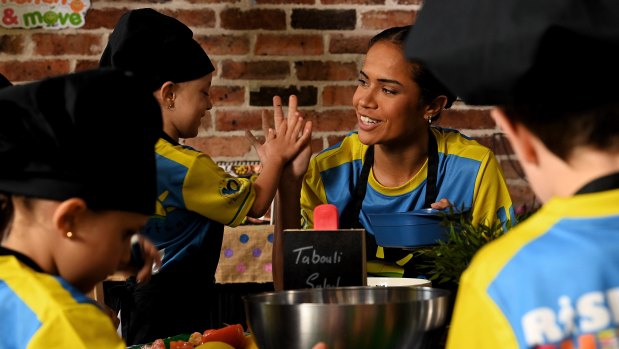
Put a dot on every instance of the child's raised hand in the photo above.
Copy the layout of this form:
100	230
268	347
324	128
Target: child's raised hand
289	137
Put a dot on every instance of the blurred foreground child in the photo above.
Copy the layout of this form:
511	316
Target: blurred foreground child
70	200
550	68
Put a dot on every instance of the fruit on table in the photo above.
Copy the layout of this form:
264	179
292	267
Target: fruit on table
231	334
228	337
214	345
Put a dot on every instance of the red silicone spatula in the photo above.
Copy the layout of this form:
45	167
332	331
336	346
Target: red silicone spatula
326	217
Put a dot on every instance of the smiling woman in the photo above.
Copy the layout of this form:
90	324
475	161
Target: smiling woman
397	161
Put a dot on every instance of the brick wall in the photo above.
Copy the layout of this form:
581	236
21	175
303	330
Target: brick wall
312	48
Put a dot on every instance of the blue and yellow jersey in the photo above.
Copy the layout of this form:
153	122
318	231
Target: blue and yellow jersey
196	198
552	282
468	176
38	310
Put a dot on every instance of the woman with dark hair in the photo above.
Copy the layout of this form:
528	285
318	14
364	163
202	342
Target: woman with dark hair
396	161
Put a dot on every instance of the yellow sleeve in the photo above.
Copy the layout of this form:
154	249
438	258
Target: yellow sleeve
491	200
210	191
82	326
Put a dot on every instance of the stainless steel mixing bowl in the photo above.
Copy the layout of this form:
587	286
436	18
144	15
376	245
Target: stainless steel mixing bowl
348	317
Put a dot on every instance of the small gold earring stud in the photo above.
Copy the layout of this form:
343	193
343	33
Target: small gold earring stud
69	234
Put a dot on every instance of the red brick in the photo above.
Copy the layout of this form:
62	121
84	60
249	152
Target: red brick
206	123
11	44
221	146
263	97
53	44
385	19
467	119
333	120
409	2
317	145
18	71
319	70
236	120
333	140
103	18
497	142
83	64
521	195
338	95
195	18
332	19
355	2
227	95
340	43
234	18
224	44
512	170
213	1
288	45
285	2
262	70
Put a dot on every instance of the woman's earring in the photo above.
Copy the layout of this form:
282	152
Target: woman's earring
429	118
171	106
69	235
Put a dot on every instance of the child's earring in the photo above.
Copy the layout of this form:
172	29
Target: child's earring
69	235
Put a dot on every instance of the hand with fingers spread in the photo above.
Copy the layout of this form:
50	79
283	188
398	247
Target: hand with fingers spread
283	142
295	168
286	138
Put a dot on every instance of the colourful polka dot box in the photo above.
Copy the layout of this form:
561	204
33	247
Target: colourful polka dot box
246	255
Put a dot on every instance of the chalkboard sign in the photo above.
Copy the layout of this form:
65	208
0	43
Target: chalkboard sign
324	258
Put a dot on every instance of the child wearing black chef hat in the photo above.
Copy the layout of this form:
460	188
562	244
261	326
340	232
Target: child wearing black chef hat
550	70
70	200
196	198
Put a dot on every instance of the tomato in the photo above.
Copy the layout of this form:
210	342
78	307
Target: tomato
231	334
214	345
180	345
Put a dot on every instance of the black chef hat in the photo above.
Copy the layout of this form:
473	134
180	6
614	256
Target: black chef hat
4	82
161	47
521	51
89	135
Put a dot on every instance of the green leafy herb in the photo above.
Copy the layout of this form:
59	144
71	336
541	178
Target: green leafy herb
445	261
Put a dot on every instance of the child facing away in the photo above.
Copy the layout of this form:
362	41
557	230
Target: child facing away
70	201
196	198
550	71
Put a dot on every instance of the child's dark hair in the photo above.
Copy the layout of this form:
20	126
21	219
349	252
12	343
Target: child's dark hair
430	86
562	131
6	214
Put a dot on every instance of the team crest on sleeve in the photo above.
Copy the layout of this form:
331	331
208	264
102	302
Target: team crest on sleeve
231	187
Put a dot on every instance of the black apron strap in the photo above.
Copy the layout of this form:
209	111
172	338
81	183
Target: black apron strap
350	215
